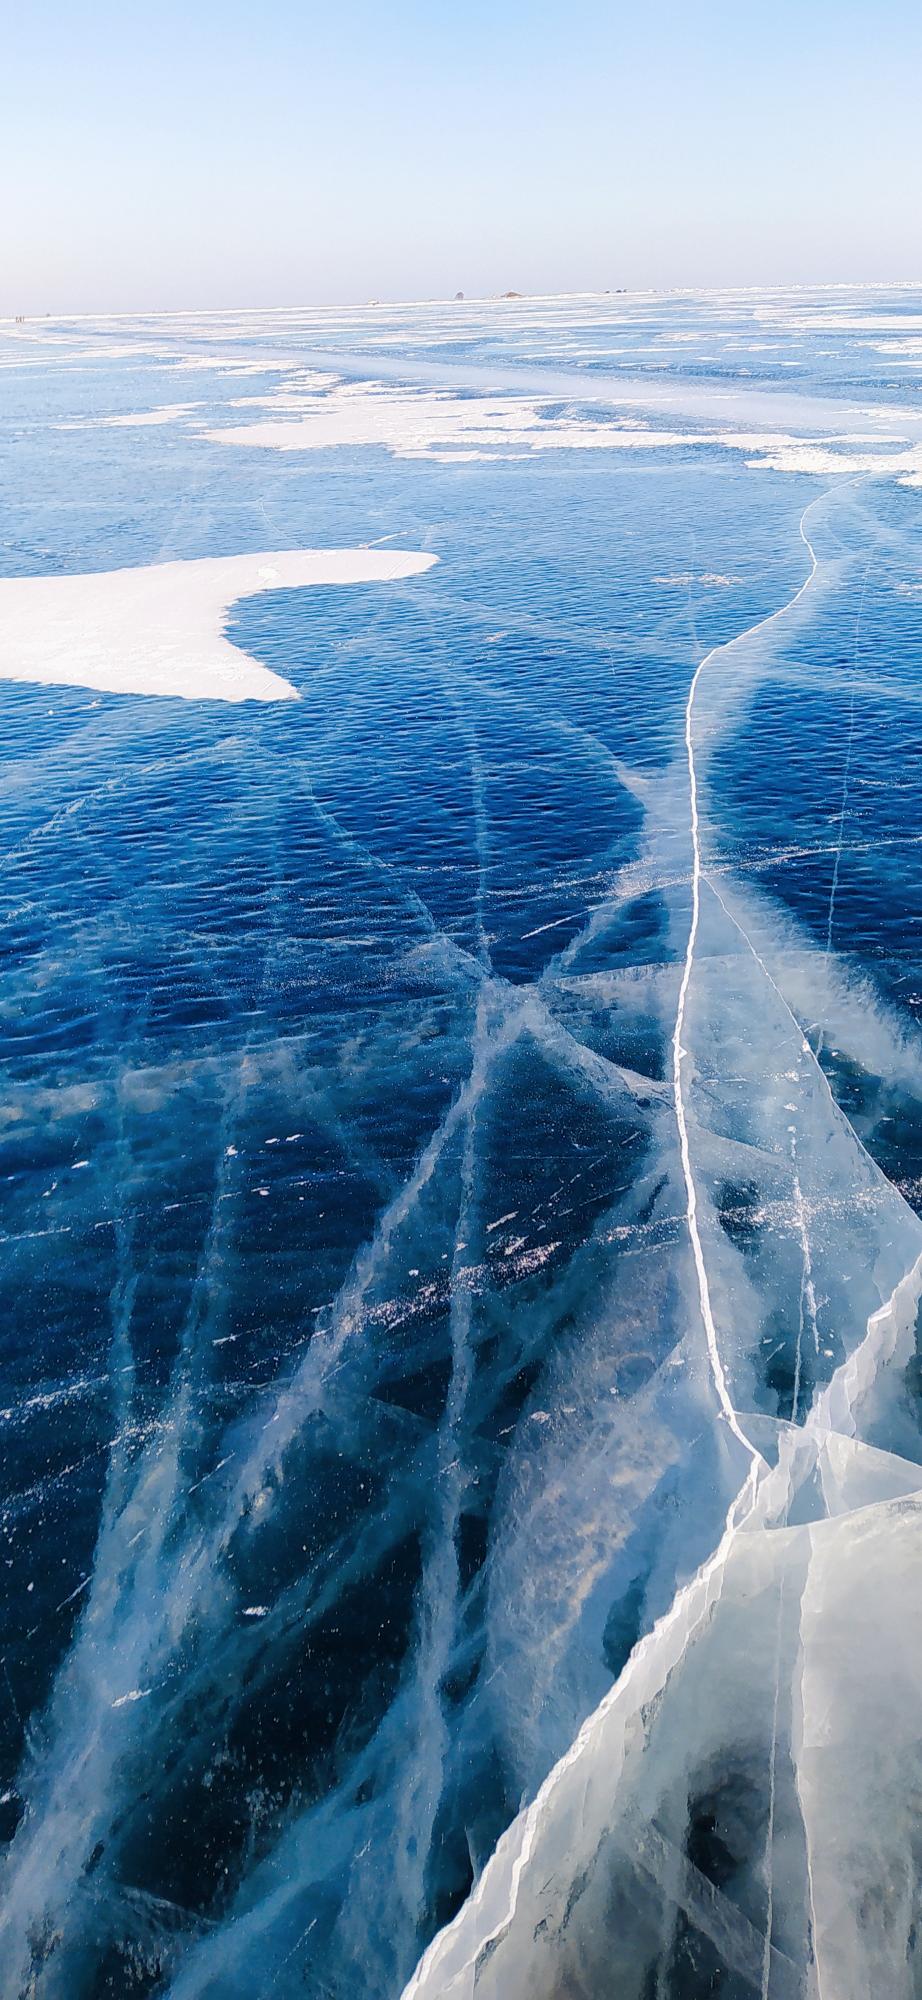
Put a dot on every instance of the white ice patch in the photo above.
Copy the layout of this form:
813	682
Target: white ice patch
434	423
442	425
159	630
684	580
167	413
134	1694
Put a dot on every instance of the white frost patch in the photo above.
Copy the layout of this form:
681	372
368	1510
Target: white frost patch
712	578
229	364
443	425
159	630
167	413
432	423
789	454
290	395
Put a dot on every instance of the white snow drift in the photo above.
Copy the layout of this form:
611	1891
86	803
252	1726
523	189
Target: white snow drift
160	630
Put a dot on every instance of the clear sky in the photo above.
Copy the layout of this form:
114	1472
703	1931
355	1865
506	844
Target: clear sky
220	154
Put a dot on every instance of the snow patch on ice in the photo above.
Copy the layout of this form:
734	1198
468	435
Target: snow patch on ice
166	413
430	423
443	425
159	630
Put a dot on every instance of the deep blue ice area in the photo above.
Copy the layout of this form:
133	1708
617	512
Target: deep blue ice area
356	1417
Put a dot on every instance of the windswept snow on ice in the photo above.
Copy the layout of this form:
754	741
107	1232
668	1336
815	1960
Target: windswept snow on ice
415	422
441	423
159	630
164	413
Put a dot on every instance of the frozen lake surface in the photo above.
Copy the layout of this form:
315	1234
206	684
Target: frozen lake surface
461	1177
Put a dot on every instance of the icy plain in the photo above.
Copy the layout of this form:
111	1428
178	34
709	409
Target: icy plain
462	1152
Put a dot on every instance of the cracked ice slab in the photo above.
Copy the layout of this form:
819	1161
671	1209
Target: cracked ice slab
160	630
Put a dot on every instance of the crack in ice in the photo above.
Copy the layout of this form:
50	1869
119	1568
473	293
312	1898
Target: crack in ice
679	1053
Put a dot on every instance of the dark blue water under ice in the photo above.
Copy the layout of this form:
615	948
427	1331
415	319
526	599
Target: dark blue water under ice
338	1185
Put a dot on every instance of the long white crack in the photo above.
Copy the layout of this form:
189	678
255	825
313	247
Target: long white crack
679	1053
448	1968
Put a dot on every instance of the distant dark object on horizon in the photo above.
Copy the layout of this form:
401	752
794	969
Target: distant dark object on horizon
458	295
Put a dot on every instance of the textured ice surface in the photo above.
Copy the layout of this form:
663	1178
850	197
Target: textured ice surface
461	1154
702	1826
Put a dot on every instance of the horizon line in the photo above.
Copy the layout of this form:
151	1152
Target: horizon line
471	298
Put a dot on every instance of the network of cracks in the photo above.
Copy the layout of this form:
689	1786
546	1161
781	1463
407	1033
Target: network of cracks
477	1513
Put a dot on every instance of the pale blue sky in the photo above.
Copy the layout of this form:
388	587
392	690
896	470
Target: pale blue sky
211	154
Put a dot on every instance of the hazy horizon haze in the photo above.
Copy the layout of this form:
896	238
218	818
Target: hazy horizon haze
207	161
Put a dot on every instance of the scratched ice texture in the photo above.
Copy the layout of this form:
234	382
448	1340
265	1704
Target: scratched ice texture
461	1167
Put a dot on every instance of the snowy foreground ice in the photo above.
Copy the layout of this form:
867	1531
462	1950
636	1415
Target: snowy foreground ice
461	1154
